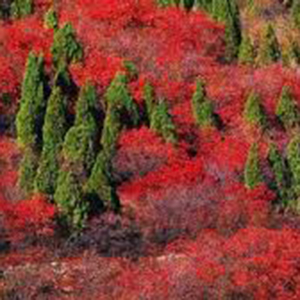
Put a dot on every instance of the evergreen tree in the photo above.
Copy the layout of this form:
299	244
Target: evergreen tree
27	170
286	109
111	130
246	51
279	169
54	130
118	96
161	122
203	5
253	112
291	54
149	97
65	47
202	107
32	103
131	69
295	13
101	182
252	172
79	148
293	158
219	10
269	50
86	106
233	34
70	200
21	8
51	19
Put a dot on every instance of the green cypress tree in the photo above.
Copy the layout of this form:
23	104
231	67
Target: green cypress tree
161	122
202	107
279	169
32	103
233	34
253	111
79	148
65	46
54	131
219	10
21	8
291	54
252	172
246	51
149	97
86	106
70	200
27	171
269	50
101	183
117	95
111	130
293	158
51	19
295	13
286	109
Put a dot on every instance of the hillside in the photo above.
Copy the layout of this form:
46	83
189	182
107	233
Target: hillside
149	149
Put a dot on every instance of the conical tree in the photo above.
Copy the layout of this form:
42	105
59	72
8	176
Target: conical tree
253	111
111	130
219	10
280	172
286	109
295	13
161	122
246	51
51	19
202	107
100	183
293	158
118	96
70	200
149	97
27	171
233	34
86	106
252	172
65	46
291	54
269	50
21	8
54	130
32	103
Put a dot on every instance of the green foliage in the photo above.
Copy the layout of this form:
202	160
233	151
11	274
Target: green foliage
280	172
111	130
32	103
118	96
291	54
27	171
253	111
65	47
79	148
131	69
21	8
295	13
269	50
203	5
233	34
252	172
51	19
286	109
293	158
246	51
202	107
86	105
100	182
70	200
54	130
161	122
149	97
